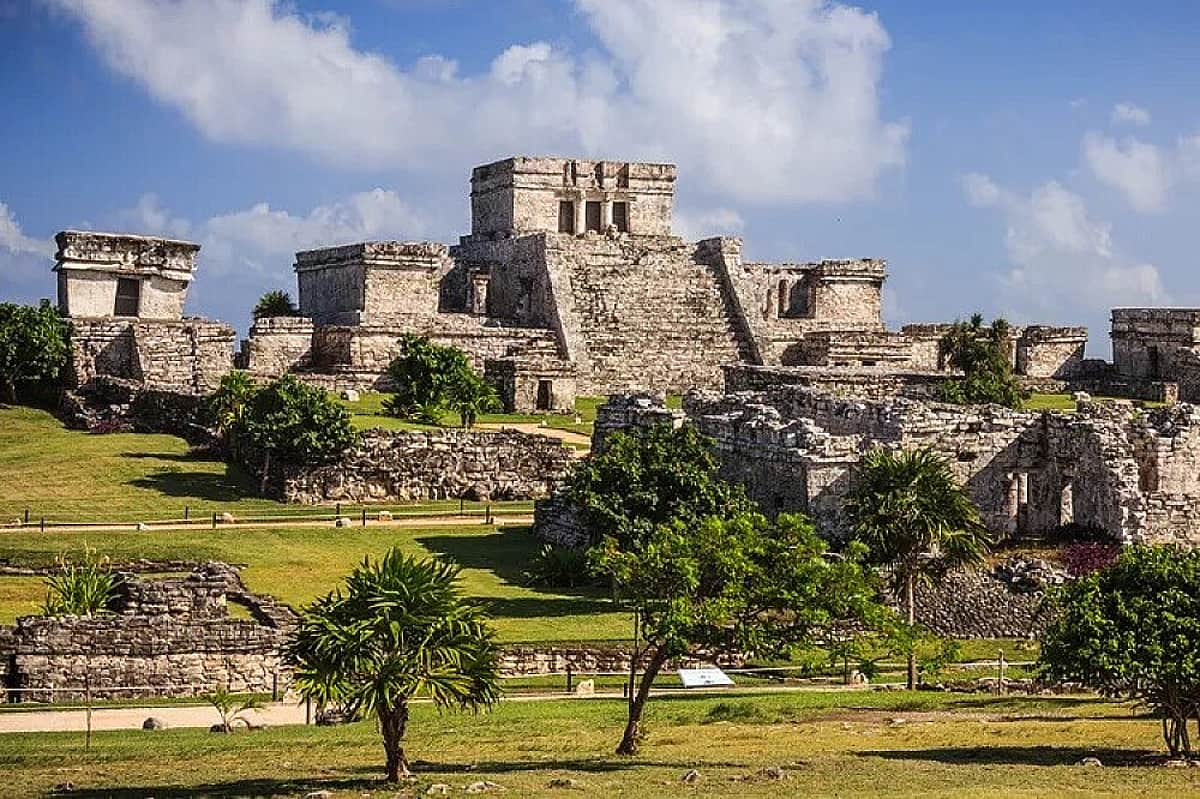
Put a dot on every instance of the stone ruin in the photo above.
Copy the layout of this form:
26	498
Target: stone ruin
132	349
167	637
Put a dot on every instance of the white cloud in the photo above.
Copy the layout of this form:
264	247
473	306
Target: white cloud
702	224
1137	169
1061	259
1130	113
766	99
25	261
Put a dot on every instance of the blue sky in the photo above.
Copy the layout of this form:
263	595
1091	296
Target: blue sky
1037	160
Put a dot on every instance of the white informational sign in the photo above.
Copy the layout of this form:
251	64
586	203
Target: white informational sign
703	678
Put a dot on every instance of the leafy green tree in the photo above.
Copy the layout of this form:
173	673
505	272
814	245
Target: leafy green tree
736	585
915	518
982	355
1132	629
296	423
33	345
647	478
425	377
227	405
400	631
79	589
275	303
471	396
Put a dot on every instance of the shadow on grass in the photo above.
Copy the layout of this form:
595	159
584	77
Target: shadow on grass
197	485
176	457
537	607
506	552
1015	755
425	773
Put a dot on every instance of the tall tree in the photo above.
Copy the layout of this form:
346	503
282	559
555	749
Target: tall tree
400	631
915	518
33	345
737	585
1132	629
651	477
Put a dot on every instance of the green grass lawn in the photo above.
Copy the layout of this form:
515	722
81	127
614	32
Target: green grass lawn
1064	402
298	564
826	744
368	412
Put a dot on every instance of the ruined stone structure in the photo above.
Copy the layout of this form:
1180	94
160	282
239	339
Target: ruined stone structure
123	296
173	635
1159	344
409	465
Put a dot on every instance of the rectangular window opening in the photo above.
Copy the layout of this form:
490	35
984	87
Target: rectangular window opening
620	213
592	211
566	217
129	295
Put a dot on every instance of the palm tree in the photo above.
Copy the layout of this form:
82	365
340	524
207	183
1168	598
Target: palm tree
470	395
916	519
400	630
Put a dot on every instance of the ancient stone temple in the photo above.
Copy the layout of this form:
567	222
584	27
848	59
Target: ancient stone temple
124	297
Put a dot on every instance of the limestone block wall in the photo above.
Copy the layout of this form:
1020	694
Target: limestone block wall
371	282
171	636
188	356
89	265
392	466
1043	351
278	345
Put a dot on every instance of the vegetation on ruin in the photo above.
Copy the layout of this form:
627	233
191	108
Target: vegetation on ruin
857	743
400	632
430	379
275	303
915	519
79	587
1132	629
660	476
733	585
982	354
33	347
292	422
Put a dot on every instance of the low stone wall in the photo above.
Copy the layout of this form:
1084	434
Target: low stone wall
111	405
161	638
402	466
979	604
277	345
520	661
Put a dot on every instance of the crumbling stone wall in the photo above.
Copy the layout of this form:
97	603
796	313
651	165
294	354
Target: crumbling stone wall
278	345
400	466
172	635
188	356
90	264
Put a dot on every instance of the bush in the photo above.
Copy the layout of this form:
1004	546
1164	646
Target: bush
430	379
982	355
559	567
33	346
1081	559
79	589
275	303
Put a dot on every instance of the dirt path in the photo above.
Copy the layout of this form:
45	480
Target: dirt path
566	436
445	520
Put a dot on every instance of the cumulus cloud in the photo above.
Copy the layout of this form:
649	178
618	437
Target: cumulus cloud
1060	257
701	224
1128	113
25	261
248	251
765	99
1137	169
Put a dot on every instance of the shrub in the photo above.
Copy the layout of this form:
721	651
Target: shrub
559	567
982	355
1081	559
33	346
79	589
275	303
423	376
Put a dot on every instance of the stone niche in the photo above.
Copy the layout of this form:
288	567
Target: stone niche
121	275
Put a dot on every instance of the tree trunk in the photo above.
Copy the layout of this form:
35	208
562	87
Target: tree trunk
392	722
266	475
10	392
910	607
631	739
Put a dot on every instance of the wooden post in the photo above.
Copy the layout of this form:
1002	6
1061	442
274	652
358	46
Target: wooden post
87	700
1000	669
275	686
43	524
337	509
186	510
364	517
214	520
27	515
570	680
460	506
307	710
